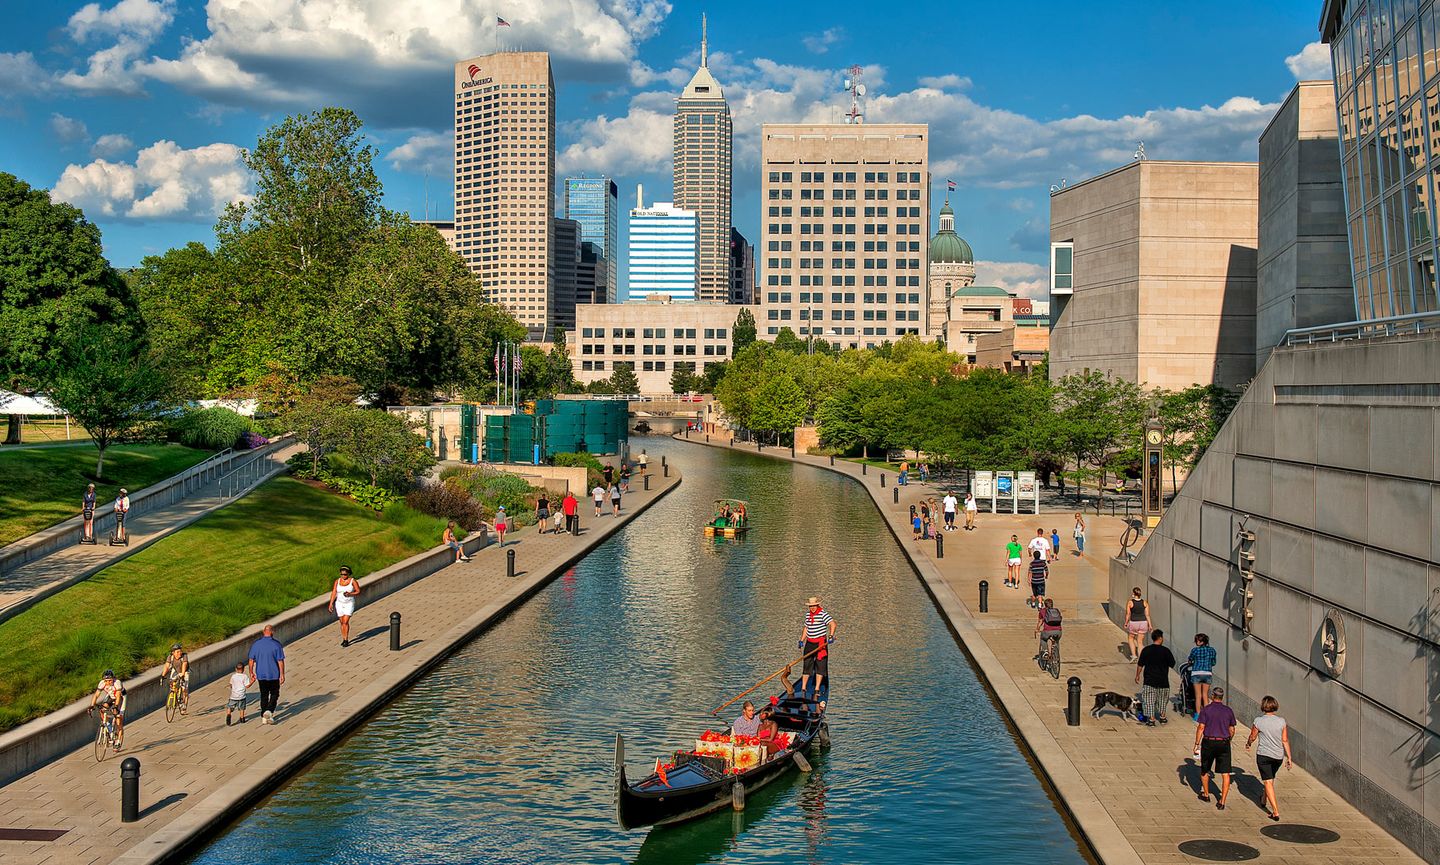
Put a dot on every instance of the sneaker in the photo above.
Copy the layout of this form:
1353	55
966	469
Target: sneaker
344	644
265	717
1164	719
227	720
242	719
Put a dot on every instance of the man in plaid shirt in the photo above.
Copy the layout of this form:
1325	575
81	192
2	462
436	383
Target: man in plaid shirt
1155	662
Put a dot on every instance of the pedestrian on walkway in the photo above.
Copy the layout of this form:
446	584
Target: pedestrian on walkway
1039	570
904	472
1213	732
927	528
1040	544
238	683
1013	561
609	474
1202	668
542	512
570	507
615	499
122	510
452	541
267	666
342	602
598	494
625	477
643	460
914	524
950	503
1137	622
1155	662
1054	545
1079	533
87	511
971	508
1274	737
924	473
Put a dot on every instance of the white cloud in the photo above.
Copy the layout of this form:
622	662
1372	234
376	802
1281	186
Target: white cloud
1312	63
166	182
133	26
434	151
68	130
112	145
1021	277
377	55
819	43
946	82
20	74
640	142
1033	235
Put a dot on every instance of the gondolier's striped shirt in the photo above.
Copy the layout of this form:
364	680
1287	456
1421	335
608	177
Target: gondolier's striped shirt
817	626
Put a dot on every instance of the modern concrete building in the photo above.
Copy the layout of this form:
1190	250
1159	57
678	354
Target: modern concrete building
594	203
975	311
845	231
1153	273
505	180
590	275
742	269
702	170
651	335
566	275
663	254
1016	347
1303	276
952	267
1386	80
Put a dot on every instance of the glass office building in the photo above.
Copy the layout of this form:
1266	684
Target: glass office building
663	253
1386	56
594	202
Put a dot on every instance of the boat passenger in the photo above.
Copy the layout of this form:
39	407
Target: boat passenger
748	724
740	516
769	731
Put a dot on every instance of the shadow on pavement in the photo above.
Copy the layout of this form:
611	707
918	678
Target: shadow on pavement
162	804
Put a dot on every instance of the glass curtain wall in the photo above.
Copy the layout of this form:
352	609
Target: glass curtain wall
1386	57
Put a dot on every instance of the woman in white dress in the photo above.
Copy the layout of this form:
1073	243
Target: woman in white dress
342	602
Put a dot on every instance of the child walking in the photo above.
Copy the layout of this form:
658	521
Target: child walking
238	683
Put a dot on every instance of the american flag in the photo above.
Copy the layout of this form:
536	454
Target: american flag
950	184
516	362
501	22
497	361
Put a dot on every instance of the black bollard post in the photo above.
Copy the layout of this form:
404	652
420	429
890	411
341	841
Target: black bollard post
667	470
394	632
939	546
707	439
509	563
984	596
1072	705
662	461
895	494
863	469
129	790
647	482
792	451
882	480
575	524
832	459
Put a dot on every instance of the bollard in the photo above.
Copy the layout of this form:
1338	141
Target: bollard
984	596
394	632
575	524
667	470
662	461
895	494
1072	705
792	451
939	546
509	563
647	482
862	469
129	790
832	459
707	439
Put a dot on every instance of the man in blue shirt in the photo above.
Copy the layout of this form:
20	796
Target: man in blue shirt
267	666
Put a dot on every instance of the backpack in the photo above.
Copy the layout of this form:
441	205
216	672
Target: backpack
1052	617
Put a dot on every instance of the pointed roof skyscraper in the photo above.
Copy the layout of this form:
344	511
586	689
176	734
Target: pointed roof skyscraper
702	171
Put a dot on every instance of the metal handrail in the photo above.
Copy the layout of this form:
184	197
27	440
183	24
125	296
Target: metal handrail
1374	328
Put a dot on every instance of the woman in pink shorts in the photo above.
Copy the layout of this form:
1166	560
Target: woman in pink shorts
1137	621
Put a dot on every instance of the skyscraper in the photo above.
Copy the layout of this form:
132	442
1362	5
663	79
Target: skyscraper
505	180
702	174
594	203
566	277
663	253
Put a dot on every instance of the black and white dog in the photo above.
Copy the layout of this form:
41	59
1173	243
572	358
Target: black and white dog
1111	700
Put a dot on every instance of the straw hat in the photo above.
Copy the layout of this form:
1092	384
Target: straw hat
812	601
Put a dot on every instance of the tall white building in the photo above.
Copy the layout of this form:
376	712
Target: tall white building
663	252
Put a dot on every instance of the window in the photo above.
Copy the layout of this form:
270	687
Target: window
1062	261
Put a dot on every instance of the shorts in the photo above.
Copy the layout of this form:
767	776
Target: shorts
454	545
1138	627
1268	766
1215	754
1037	589
949	517
815	666
544	514
502	527
344	609
1014	562
1201	677
232	705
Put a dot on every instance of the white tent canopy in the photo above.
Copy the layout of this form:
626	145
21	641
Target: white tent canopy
14	403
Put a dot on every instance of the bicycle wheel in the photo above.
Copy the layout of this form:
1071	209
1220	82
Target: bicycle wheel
172	702
102	742
1055	661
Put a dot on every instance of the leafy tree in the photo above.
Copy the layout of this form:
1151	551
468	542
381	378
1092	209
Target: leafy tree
713	374
744	332
1190	419
682	377
786	340
623	380
1098	420
387	447
108	382
54	284
779	405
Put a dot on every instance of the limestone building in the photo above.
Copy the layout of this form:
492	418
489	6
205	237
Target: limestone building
952	267
975	311
844	238
505	180
652	336
702	172
1153	270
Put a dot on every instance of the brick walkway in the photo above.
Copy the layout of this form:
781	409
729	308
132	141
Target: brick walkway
1144	778
196	768
23	585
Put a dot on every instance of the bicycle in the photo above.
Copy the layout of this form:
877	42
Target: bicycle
107	739
178	700
1050	658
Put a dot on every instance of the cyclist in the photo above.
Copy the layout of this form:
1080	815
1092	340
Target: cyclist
1047	628
110	694
177	666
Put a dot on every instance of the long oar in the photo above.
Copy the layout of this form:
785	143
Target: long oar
768	678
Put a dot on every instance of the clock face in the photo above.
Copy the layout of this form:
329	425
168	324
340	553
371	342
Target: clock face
1153	436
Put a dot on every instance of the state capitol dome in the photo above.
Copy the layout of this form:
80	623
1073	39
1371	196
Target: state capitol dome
947	247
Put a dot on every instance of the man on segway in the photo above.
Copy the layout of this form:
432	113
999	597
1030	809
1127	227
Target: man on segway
122	507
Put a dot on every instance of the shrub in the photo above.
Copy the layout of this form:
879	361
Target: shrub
252	440
448	500
495	490
589	461
212	428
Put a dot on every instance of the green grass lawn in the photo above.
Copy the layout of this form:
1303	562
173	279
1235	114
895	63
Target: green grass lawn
278	546
43	486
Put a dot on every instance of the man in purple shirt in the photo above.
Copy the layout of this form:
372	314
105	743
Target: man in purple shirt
1212	740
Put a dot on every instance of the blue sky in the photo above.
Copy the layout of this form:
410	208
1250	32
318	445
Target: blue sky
136	109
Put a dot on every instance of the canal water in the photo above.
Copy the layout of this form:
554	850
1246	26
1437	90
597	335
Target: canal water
504	753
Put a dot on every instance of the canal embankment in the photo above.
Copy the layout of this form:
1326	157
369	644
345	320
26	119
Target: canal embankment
197	774
1130	791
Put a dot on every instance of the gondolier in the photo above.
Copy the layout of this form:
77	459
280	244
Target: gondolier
815	639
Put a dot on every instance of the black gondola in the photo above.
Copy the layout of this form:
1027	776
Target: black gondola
699	785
